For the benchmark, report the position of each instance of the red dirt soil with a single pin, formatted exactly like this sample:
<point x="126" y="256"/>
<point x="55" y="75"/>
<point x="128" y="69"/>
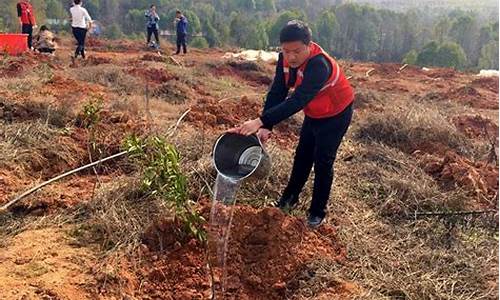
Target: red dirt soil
<point x="476" y="126"/>
<point x="17" y="66"/>
<point x="68" y="89"/>
<point x="253" y="73"/>
<point x="441" y="73"/>
<point x="479" y="178"/>
<point x="472" y="97"/>
<point x="12" y="69"/>
<point x="96" y="60"/>
<point x="208" y="113"/>
<point x="489" y="83"/>
<point x="266" y="250"/>
<point x="152" y="75"/>
<point x="153" y="57"/>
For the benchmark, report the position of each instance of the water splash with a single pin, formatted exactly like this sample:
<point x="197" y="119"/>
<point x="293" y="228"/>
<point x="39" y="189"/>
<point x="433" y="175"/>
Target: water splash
<point x="221" y="216"/>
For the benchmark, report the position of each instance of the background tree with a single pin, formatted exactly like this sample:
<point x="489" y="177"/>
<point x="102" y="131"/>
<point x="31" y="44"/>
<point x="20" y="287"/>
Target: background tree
<point x="326" y="28"/>
<point x="411" y="58"/>
<point x="450" y="54"/>
<point x="199" y="42"/>
<point x="55" y="9"/>
<point x="280" y="22"/>
<point x="489" y="56"/>
<point x="464" y="31"/>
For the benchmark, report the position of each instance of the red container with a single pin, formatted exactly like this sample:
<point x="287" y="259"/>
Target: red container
<point x="13" y="43"/>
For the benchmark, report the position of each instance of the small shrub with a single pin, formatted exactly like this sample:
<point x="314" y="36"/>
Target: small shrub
<point x="163" y="178"/>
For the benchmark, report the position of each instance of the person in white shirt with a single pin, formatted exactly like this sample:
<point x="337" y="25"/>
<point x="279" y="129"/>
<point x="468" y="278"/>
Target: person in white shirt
<point x="80" y="23"/>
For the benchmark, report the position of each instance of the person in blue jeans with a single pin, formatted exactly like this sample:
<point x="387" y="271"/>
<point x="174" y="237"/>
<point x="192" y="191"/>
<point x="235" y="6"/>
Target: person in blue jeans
<point x="182" y="24"/>
<point x="152" y="20"/>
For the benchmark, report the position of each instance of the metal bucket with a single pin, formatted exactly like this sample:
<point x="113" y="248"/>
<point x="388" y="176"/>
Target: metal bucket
<point x="241" y="157"/>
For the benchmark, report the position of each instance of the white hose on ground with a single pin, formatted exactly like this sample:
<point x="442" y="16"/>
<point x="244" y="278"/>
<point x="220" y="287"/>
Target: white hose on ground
<point x="4" y="208"/>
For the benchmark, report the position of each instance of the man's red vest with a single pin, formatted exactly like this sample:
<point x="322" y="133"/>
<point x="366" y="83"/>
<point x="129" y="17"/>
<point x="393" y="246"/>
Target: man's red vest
<point x="335" y="95"/>
<point x="27" y="15"/>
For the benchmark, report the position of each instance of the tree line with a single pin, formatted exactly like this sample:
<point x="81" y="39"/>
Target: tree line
<point x="454" y="38"/>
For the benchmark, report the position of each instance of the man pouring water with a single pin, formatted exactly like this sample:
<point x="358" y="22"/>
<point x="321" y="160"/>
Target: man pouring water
<point x="319" y="88"/>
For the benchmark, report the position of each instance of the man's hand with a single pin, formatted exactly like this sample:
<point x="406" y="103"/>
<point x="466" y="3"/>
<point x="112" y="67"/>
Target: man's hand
<point x="264" y="134"/>
<point x="248" y="128"/>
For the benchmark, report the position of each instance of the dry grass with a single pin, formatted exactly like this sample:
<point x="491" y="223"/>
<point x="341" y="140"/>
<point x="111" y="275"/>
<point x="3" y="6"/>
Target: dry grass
<point x="35" y="146"/>
<point x="314" y="280"/>
<point x="418" y="260"/>
<point x="394" y="186"/>
<point x="417" y="127"/>
<point x="117" y="216"/>
<point x="110" y="76"/>
<point x="390" y="254"/>
<point x="366" y="98"/>
<point x="55" y="115"/>
<point x="173" y="91"/>
<point x="132" y="105"/>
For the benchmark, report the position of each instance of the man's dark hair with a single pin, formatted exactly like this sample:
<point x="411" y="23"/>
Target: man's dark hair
<point x="178" y="12"/>
<point x="78" y="2"/>
<point x="43" y="28"/>
<point x="294" y="31"/>
<point x="152" y="5"/>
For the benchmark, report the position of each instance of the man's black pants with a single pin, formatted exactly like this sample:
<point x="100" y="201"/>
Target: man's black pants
<point x="318" y="145"/>
<point x="181" y="41"/>
<point x="28" y="29"/>
<point x="151" y="31"/>
<point x="80" y="34"/>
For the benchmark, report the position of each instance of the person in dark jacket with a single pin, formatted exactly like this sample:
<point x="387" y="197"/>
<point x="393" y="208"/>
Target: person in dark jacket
<point x="181" y="28"/>
<point x="26" y="20"/>
<point x="322" y="91"/>
<point x="152" y="27"/>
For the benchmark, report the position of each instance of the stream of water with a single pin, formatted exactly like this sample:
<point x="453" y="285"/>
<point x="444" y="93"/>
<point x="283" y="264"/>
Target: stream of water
<point x="221" y="216"/>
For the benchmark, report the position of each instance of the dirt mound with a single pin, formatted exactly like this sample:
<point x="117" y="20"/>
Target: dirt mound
<point x="19" y="65"/>
<point x="209" y="113"/>
<point x="110" y="131"/>
<point x="467" y="95"/>
<point x="12" y="69"/>
<point x="65" y="88"/>
<point x="94" y="42"/>
<point x="476" y="126"/>
<point x="152" y="75"/>
<point x="9" y="182"/>
<point x="392" y="70"/>
<point x="153" y="57"/>
<point x="489" y="83"/>
<point x="387" y="69"/>
<point x="267" y="249"/>
<point x="10" y="111"/>
<point x="118" y="46"/>
<point x="365" y="99"/>
<point x="254" y="73"/>
<point x="173" y="91"/>
<point x="442" y="73"/>
<point x="96" y="60"/>
<point x="477" y="177"/>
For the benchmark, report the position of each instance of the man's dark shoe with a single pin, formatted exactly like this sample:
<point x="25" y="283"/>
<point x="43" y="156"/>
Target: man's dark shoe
<point x="314" y="221"/>
<point x="287" y="203"/>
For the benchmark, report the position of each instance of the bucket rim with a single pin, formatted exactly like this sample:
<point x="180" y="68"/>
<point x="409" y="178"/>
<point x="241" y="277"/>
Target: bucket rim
<point x="254" y="169"/>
